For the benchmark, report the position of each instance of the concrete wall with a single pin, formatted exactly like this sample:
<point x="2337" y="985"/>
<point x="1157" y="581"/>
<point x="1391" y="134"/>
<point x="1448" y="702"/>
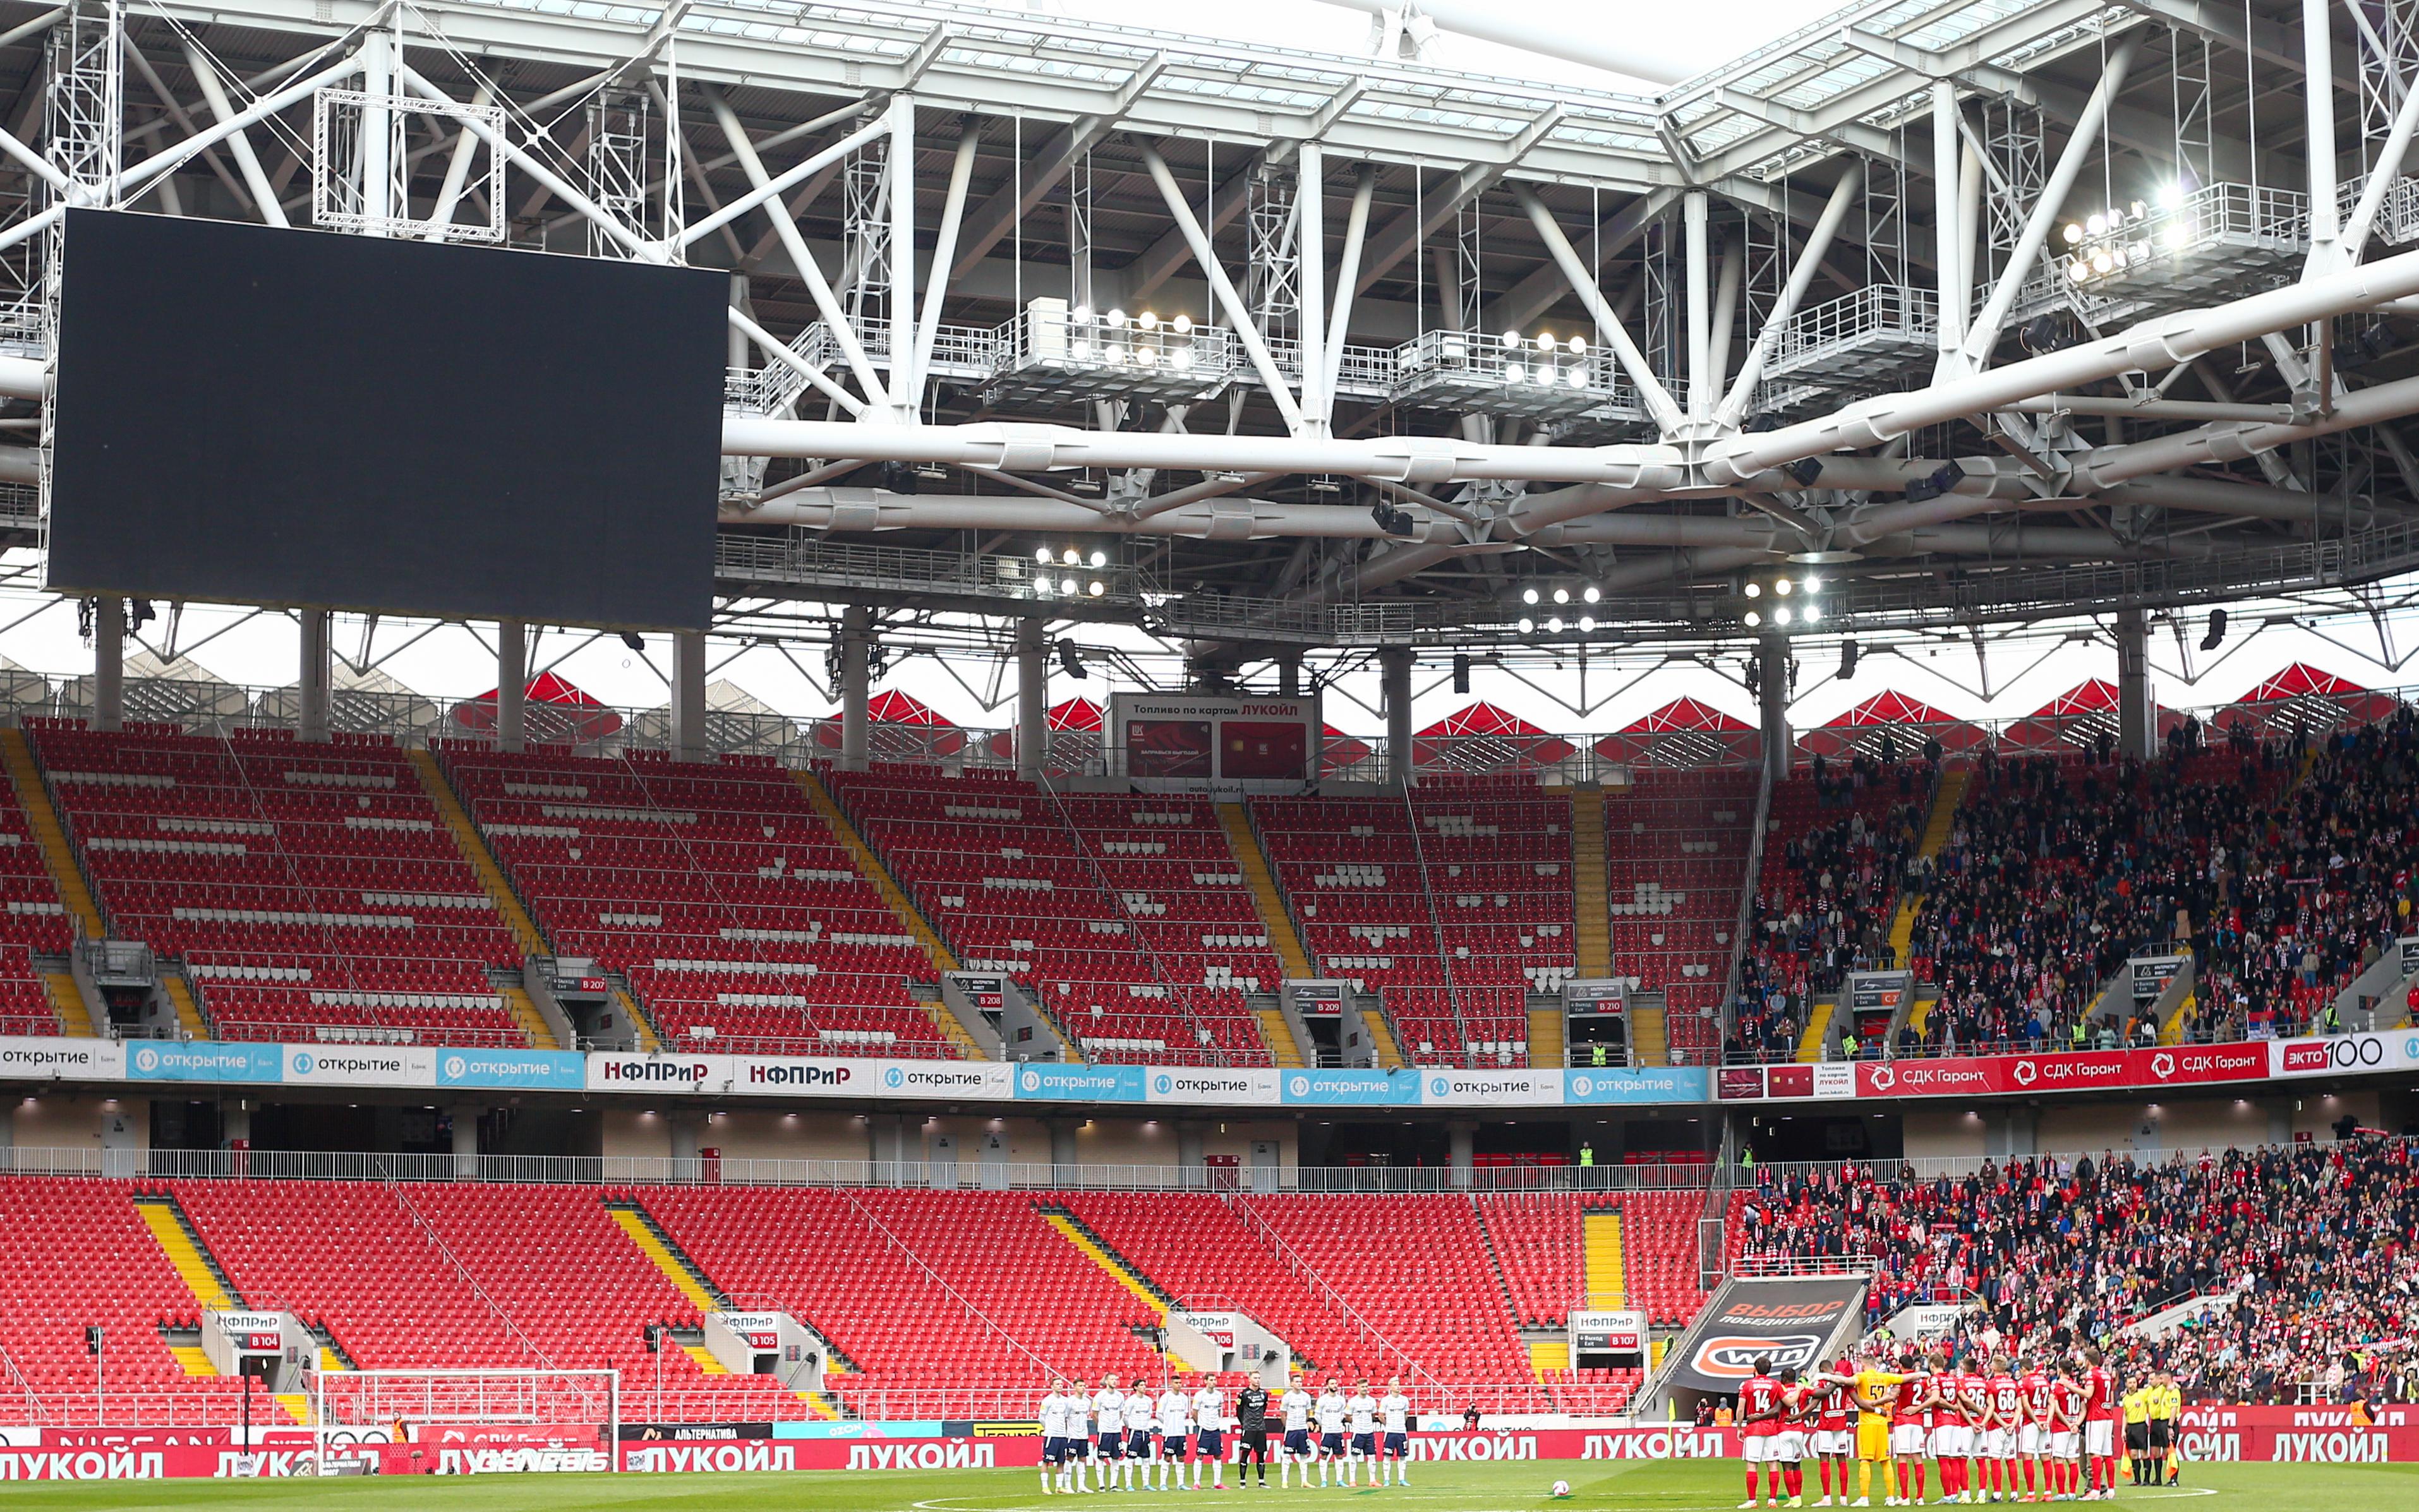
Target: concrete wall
<point x="750" y="1135"/>
<point x="2189" y="1125"/>
<point x="66" y="1123"/>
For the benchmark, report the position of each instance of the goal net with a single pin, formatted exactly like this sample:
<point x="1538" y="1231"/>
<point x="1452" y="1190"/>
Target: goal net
<point x="488" y="1419"/>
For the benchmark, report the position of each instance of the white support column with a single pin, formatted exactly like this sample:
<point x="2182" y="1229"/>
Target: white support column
<point x="1347" y="274"/>
<point x="1310" y="254"/>
<point x="512" y="684"/>
<point x="1801" y="278"/>
<point x="108" y="663"/>
<point x="1247" y="330"/>
<point x="378" y="169"/>
<point x="2319" y="103"/>
<point x="1032" y="698"/>
<point x="313" y="692"/>
<point x="1699" y="209"/>
<point x="901" y="166"/>
<point x="2137" y="732"/>
<point x="1956" y="298"/>
<point x="1772" y="702"/>
<point x="1984" y="332"/>
<point x="688" y="696"/>
<point x="1394" y="684"/>
<point x="1651" y="392"/>
<point x="856" y="685"/>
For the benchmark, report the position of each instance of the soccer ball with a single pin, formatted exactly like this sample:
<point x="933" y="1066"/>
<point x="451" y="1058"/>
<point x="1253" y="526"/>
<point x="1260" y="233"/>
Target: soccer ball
<point x="1561" y="1489"/>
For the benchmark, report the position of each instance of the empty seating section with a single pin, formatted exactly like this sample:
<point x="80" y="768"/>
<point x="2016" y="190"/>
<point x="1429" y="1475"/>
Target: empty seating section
<point x="558" y="1285"/>
<point x="310" y="889"/>
<point x="1536" y="1240"/>
<point x="1090" y="905"/>
<point x="938" y="1303"/>
<point x="32" y="921"/>
<point x="1416" y="1269"/>
<point x="1675" y="859"/>
<point x="1198" y="1249"/>
<point x="75" y="1254"/>
<point x="717" y="890"/>
<point x="847" y="1264"/>
<point x="1453" y="906"/>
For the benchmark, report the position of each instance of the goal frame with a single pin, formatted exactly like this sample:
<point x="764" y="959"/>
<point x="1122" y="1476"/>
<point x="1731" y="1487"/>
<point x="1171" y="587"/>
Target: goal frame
<point x="515" y="1398"/>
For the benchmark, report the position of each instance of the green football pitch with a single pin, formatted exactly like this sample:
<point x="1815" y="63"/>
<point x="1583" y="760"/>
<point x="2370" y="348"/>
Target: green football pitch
<point x="1685" y="1487"/>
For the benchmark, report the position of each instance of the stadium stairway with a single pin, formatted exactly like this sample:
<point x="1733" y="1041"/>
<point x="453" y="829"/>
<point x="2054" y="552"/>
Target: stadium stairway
<point x="1818" y="1027"/>
<point x="1383" y="1039"/>
<point x="193" y="1261"/>
<point x="1601" y="1249"/>
<point x="690" y="1278"/>
<point x="1095" y="1250"/>
<point x="1275" y="918"/>
<point x="1547" y="1356"/>
<point x="75" y="1019"/>
<point x="1592" y="932"/>
<point x="1544" y="1030"/>
<point x="1946" y="797"/>
<point x="188" y="1003"/>
<point x="516" y="999"/>
<point x="636" y="1011"/>
<point x="473" y="846"/>
<point x="869" y="866"/>
<point x="2172" y="1031"/>
<point x="1648" y="1042"/>
<point x="481" y="860"/>
<point x="681" y="1272"/>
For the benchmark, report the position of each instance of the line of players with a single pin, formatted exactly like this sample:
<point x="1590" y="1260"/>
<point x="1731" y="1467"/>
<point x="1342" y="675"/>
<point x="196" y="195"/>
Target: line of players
<point x="1123" y="1436"/>
<point x="2056" y="1421"/>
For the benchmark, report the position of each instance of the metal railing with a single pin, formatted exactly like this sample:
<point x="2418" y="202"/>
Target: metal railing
<point x="164" y="1165"/>
<point x="1876" y="310"/>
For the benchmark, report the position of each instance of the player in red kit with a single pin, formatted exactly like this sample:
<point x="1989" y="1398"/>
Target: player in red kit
<point x="1789" y="1444"/>
<point x="1760" y="1410"/>
<point x="1910" y="1433"/>
<point x="2100" y="1414"/>
<point x="2066" y="1432"/>
<point x="2039" y="1394"/>
<point x="2003" y="1402"/>
<point x="1832" y="1438"/>
<point x="1959" y="1422"/>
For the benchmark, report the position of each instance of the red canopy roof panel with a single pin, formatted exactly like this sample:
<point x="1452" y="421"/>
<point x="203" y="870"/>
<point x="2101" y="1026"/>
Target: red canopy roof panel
<point x="2299" y="679"/>
<point x="1683" y="733"/>
<point x="2075" y="719"/>
<point x="1906" y="722"/>
<point x="1338" y="750"/>
<point x="2305" y="696"/>
<point x="1483" y="738"/>
<point x="904" y="727"/>
<point x="555" y="709"/>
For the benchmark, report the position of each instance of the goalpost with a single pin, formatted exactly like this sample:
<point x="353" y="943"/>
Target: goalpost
<point x="583" y="1407"/>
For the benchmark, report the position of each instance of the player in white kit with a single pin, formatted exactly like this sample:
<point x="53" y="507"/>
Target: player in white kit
<point x="1363" y="1410"/>
<point x="1395" y="1449"/>
<point x="1297" y="1404"/>
<point x="1078" y="1408"/>
<point x="1053" y="1436"/>
<point x="1139" y="1418"/>
<point x="1109" y="1430"/>
<point x="1334" y="1408"/>
<point x="1209" y="1434"/>
<point x="1175" y="1411"/>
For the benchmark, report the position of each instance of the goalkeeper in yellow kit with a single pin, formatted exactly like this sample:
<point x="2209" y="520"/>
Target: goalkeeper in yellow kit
<point x="1877" y="1393"/>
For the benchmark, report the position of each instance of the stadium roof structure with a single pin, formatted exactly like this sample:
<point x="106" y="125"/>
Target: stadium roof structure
<point x="1891" y="722"/>
<point x="903" y="728"/>
<point x="557" y="711"/>
<point x="2302" y="699"/>
<point x="1987" y="312"/>
<point x="2076" y="719"/>
<point x="1483" y="738"/>
<point x="1685" y="732"/>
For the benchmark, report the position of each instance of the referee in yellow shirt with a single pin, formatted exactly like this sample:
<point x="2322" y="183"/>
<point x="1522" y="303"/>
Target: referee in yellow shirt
<point x="2137" y="1404"/>
<point x="2165" y="1405"/>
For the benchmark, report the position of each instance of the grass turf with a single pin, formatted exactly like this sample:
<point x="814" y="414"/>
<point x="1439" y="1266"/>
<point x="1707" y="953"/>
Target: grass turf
<point x="1685" y="1487"/>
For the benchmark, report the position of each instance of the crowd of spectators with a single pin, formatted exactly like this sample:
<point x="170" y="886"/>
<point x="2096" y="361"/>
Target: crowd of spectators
<point x="2308" y="894"/>
<point x="1825" y="911"/>
<point x="2056" y="870"/>
<point x="2306" y="1251"/>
